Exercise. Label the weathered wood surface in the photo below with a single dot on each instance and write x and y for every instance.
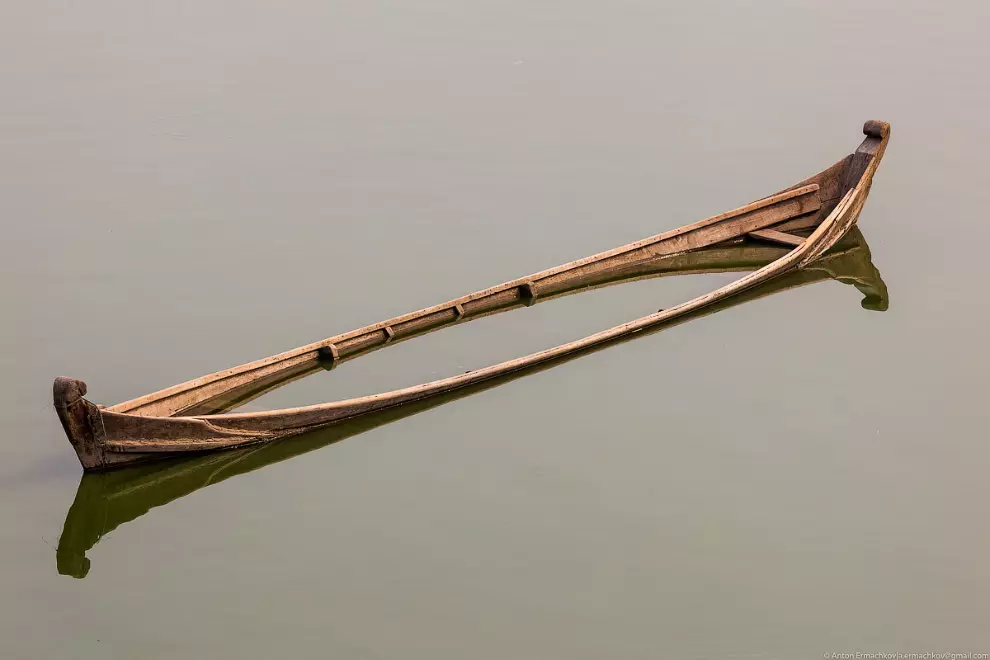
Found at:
(762, 213)
(161, 422)
(105, 500)
(777, 236)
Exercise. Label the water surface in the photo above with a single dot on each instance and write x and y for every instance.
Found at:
(192, 186)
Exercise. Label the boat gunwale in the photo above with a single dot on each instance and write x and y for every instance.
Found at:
(296, 417)
(459, 380)
(133, 406)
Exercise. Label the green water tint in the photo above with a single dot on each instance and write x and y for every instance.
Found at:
(104, 501)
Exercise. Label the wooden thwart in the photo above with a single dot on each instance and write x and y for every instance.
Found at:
(777, 236)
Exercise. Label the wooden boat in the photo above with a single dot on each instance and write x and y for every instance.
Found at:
(105, 500)
(808, 219)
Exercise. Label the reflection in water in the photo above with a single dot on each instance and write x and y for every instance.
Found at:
(106, 500)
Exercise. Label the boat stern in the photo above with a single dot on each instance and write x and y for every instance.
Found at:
(80, 420)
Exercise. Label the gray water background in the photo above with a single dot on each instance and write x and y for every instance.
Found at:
(188, 186)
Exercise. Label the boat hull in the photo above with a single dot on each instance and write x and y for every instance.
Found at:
(807, 219)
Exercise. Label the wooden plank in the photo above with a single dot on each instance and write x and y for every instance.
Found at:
(778, 236)
(809, 221)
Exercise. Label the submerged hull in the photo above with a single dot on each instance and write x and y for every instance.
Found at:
(799, 224)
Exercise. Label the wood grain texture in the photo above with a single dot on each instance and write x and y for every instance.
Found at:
(762, 213)
(161, 423)
(776, 236)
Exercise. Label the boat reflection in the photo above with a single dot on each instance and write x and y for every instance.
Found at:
(106, 500)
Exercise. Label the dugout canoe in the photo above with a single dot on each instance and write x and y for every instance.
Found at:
(807, 219)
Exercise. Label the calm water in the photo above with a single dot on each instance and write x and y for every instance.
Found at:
(195, 185)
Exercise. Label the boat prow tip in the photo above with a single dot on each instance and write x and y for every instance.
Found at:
(877, 128)
(77, 417)
(66, 391)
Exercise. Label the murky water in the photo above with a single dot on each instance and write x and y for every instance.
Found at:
(189, 187)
